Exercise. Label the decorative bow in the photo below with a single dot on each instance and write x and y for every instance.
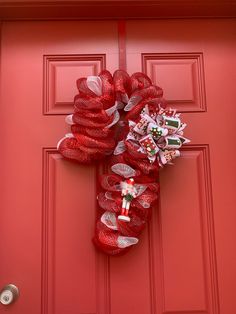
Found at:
(159, 135)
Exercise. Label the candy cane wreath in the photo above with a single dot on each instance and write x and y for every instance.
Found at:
(147, 137)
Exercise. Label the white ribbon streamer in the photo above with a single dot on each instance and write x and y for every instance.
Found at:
(120, 148)
(115, 120)
(123, 170)
(69, 119)
(124, 242)
(94, 83)
(68, 135)
(132, 102)
(109, 219)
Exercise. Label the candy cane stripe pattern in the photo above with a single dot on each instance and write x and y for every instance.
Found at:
(124, 121)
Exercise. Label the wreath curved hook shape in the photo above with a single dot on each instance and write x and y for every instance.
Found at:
(124, 120)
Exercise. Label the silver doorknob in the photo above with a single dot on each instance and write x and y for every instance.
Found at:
(9, 294)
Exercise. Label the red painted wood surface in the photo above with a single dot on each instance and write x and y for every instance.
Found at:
(185, 262)
(108, 9)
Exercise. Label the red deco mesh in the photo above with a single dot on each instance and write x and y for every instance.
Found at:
(94, 139)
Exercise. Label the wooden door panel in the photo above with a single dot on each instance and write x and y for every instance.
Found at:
(131, 280)
(60, 73)
(193, 61)
(51, 228)
(187, 240)
(69, 266)
(186, 93)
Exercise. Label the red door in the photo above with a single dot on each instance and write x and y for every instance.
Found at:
(185, 261)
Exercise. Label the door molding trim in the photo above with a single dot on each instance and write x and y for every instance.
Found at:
(122, 9)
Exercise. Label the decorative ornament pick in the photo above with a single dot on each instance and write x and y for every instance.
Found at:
(156, 131)
(128, 191)
(148, 145)
(134, 148)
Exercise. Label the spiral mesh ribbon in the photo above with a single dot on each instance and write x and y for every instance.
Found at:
(98, 132)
